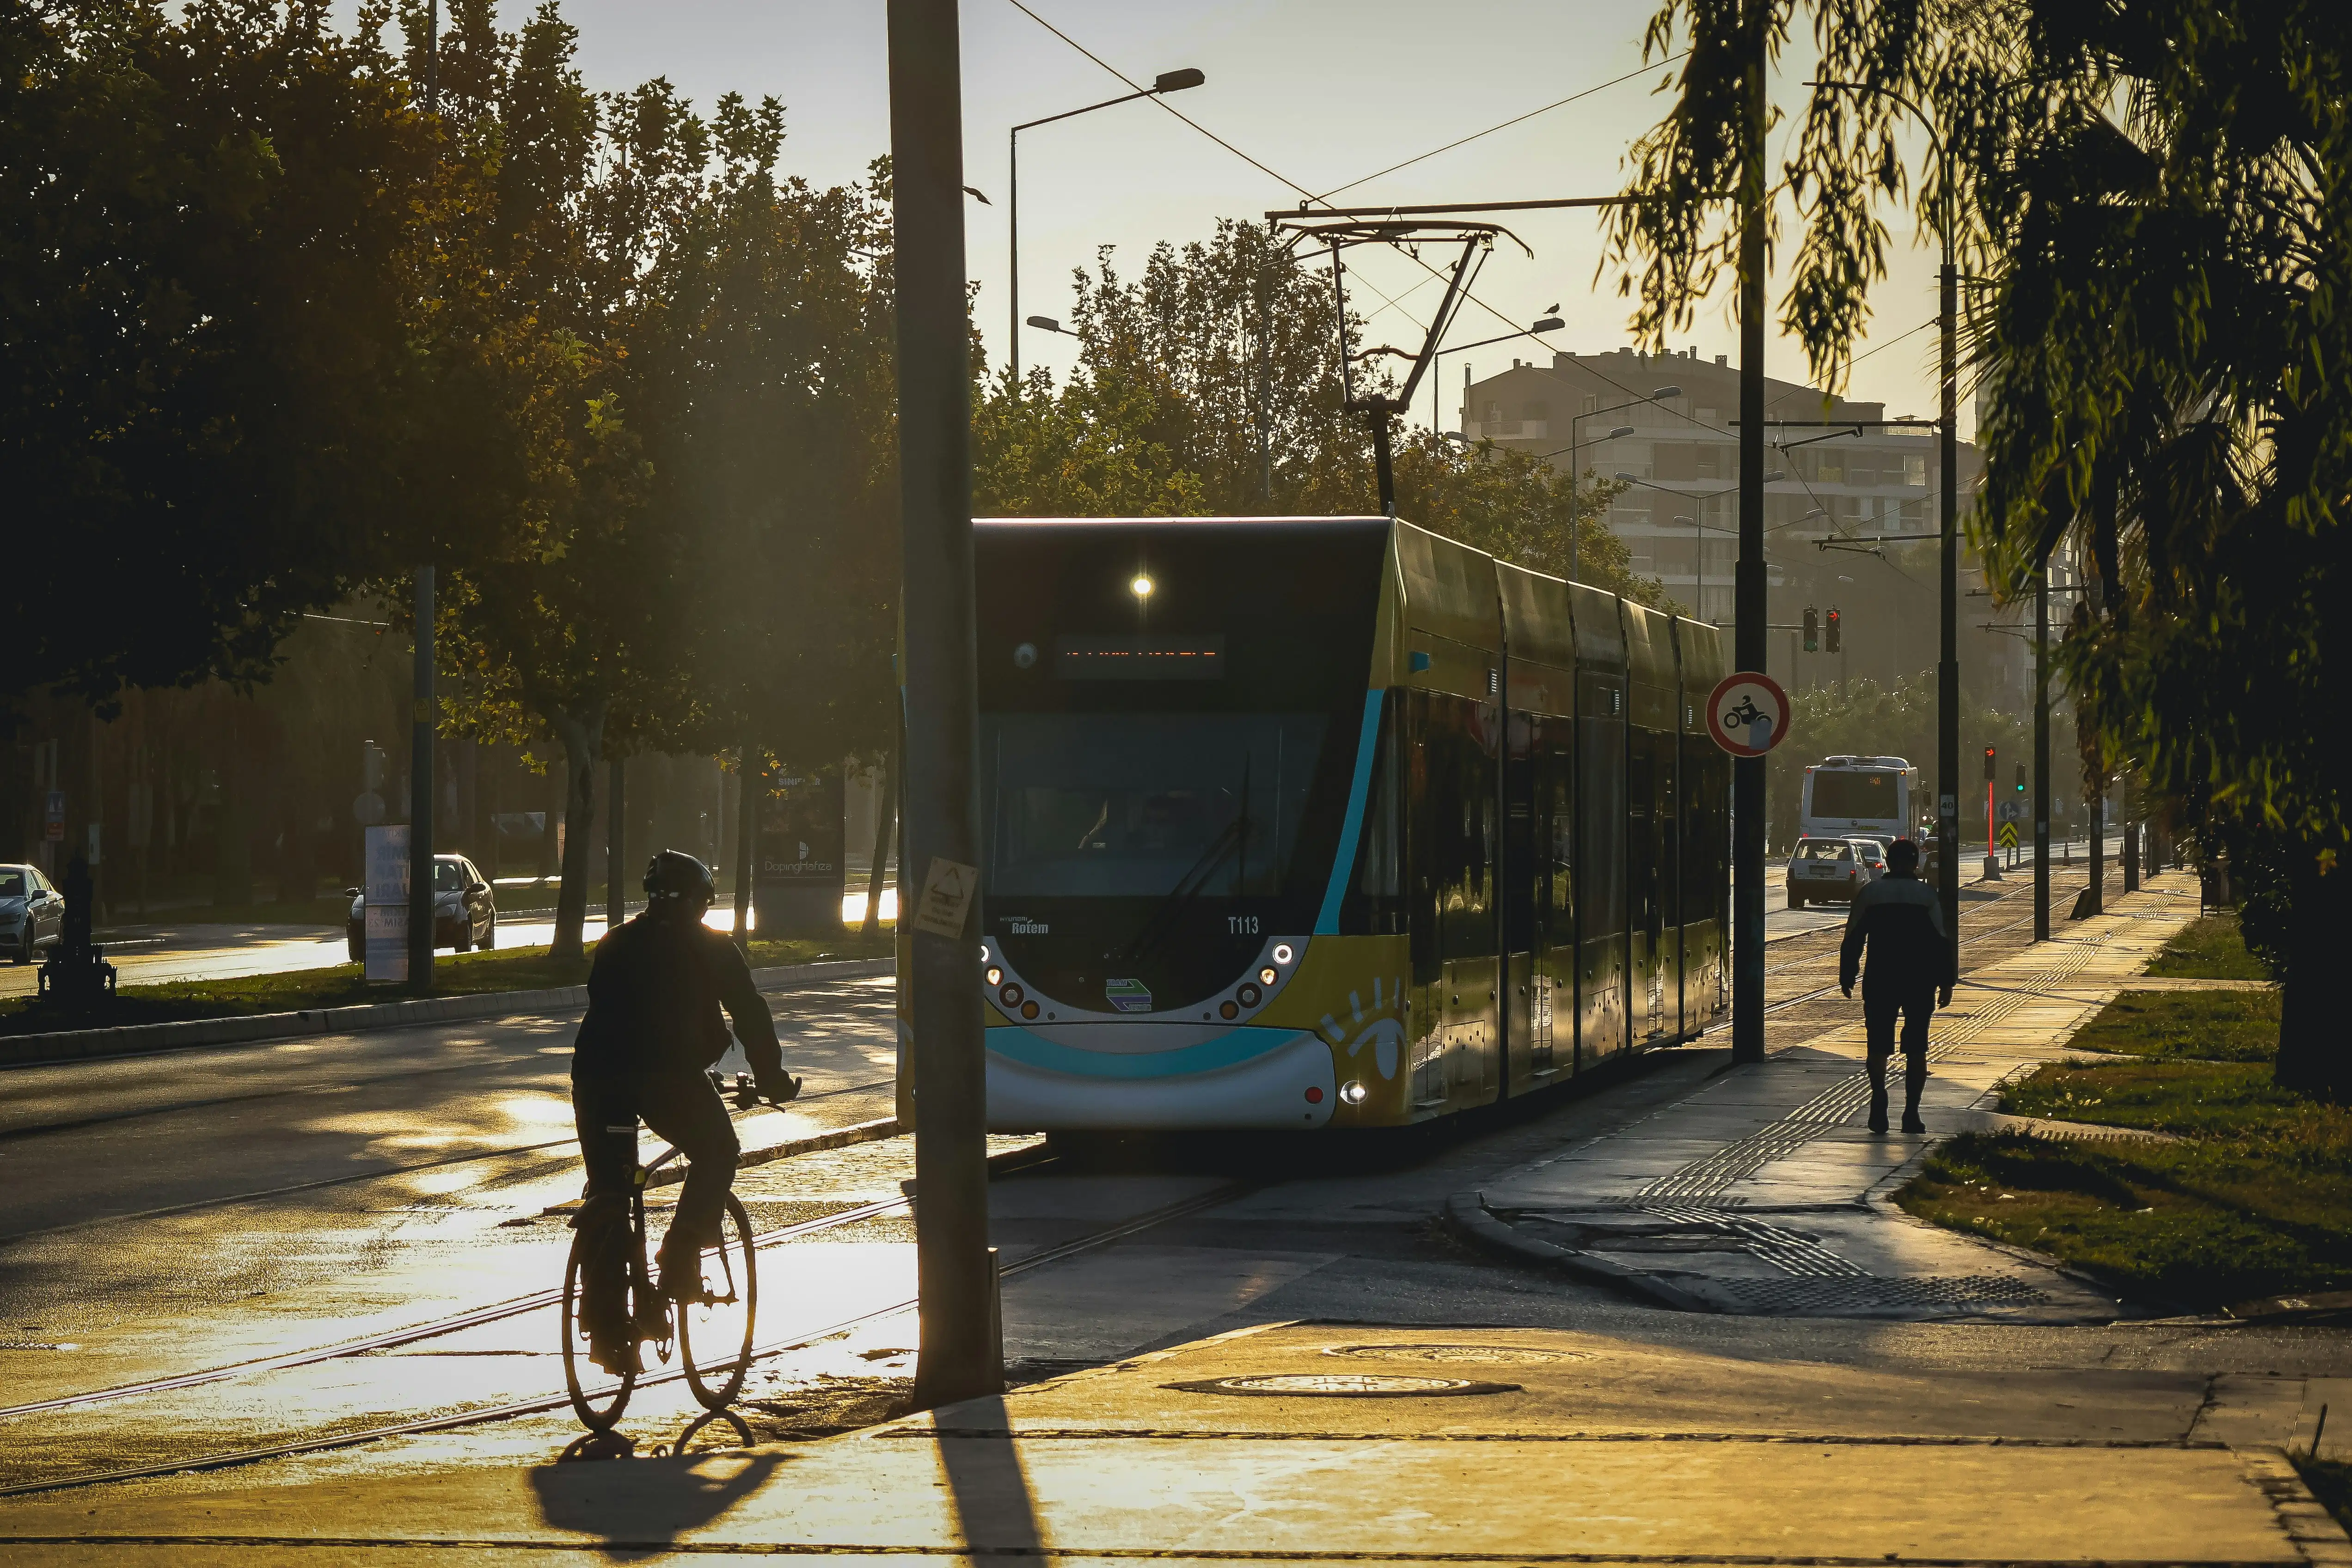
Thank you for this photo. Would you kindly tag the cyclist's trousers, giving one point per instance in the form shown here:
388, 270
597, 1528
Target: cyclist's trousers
681, 1108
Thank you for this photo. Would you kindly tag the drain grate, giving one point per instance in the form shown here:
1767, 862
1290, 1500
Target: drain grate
1947, 1293
1488, 1355
1346, 1386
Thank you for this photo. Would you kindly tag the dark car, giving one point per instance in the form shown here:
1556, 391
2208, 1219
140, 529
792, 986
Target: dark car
32, 913
465, 912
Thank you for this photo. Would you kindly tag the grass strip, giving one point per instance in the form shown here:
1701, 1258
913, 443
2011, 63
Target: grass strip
2210, 947
2181, 1025
2330, 1481
342, 985
2254, 1198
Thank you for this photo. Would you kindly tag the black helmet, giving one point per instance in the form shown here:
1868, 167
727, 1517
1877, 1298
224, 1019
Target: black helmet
673, 874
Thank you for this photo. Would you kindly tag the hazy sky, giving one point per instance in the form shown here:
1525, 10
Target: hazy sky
1322, 91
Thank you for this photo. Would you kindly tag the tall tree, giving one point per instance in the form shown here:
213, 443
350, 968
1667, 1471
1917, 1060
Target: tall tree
1211, 385
2149, 197
210, 258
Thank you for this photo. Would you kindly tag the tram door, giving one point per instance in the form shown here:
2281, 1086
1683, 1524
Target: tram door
1642, 856
1521, 887
1453, 843
1554, 985
1601, 867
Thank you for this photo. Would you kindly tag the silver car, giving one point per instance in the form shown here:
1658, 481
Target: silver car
1832, 869
32, 913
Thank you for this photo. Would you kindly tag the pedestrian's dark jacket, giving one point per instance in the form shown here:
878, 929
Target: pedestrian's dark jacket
654, 998
1901, 921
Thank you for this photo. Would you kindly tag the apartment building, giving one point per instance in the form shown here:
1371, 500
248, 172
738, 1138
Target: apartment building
1840, 502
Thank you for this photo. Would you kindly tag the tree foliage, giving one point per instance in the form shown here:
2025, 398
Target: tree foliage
2150, 199
208, 252
1211, 386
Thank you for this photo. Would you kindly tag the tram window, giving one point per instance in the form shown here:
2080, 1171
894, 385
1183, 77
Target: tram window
1375, 903
1702, 835
1453, 839
1601, 787
1132, 804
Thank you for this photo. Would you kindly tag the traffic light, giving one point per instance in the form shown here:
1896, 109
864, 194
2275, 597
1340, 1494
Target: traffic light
1814, 629
1832, 643
1988, 764
2021, 778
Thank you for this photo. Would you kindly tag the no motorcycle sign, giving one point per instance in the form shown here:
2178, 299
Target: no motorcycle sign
1748, 714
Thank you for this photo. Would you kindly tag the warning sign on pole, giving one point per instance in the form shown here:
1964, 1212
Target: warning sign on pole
1748, 714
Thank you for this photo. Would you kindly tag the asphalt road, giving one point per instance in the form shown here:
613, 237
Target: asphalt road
190, 1210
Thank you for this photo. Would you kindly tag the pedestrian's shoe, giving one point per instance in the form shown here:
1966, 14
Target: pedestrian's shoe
1878, 1110
681, 1275
1911, 1122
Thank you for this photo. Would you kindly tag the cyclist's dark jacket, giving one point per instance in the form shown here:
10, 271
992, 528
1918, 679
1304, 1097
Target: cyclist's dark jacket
1902, 920
653, 999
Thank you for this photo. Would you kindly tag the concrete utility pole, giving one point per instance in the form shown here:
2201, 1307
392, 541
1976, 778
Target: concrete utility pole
961, 1353
617, 848
1749, 608
1948, 664
2042, 753
420, 798
420, 745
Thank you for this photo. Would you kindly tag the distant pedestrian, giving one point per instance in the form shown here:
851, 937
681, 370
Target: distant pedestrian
1900, 921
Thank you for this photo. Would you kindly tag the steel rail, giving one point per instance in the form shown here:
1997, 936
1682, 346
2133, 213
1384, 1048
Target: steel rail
768, 1351
259, 1195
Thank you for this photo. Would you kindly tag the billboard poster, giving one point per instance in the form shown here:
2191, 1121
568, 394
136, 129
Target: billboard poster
386, 929
798, 875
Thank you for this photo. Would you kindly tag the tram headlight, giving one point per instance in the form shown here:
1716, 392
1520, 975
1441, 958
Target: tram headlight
995, 976
1353, 1091
1282, 954
1010, 997
1141, 585
1267, 976
1248, 995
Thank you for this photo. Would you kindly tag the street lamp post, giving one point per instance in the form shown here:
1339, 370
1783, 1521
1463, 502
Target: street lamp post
1700, 529
1948, 664
421, 771
1167, 81
1575, 532
1437, 361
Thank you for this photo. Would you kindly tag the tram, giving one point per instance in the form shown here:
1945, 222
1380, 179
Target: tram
1324, 823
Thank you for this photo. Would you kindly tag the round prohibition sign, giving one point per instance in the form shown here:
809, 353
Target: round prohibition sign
1748, 714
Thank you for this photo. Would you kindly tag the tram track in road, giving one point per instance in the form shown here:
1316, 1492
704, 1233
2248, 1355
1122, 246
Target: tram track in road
261, 1195
783, 1345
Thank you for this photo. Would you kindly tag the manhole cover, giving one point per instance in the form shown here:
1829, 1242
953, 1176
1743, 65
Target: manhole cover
1347, 1385
1489, 1355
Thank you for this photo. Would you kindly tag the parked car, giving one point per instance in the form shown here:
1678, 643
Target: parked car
32, 913
1831, 870
465, 911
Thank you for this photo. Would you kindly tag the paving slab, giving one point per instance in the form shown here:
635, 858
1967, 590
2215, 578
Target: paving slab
1359, 1443
1761, 1191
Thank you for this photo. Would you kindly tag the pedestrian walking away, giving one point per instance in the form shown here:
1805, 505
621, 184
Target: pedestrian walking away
1898, 922
653, 1029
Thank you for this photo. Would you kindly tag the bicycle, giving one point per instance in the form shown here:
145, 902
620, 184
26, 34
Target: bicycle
722, 1318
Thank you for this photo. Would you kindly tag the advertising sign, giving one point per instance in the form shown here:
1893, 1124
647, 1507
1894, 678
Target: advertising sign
798, 874
385, 930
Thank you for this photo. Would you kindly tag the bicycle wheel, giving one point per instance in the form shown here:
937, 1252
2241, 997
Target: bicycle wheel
596, 1396
714, 1337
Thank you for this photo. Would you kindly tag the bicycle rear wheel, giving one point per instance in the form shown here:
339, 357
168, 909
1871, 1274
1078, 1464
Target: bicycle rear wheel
714, 1337
597, 1398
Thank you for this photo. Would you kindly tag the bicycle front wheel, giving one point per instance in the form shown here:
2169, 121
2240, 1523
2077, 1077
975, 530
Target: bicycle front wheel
714, 1335
597, 1397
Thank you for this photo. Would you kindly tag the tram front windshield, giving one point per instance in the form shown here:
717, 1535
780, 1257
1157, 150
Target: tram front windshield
1130, 806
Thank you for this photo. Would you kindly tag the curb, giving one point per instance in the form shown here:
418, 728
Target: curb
128, 1039
1465, 1215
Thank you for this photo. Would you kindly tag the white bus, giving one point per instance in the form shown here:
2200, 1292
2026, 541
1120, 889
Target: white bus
1860, 797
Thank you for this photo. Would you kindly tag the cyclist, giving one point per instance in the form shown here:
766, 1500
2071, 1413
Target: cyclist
653, 1029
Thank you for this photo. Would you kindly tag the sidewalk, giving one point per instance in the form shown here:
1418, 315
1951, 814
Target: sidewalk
1762, 1191
1352, 1443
